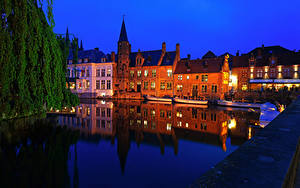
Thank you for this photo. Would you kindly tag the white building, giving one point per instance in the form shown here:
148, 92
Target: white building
94, 73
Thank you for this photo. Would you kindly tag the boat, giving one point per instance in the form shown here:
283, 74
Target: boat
189, 101
152, 98
238, 104
182, 105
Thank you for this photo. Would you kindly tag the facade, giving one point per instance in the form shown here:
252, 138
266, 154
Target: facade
263, 68
206, 78
92, 75
144, 72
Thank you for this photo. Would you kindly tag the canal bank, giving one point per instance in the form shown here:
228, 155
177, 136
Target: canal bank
269, 159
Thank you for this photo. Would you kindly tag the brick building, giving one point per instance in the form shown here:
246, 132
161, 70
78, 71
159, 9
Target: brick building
205, 78
266, 67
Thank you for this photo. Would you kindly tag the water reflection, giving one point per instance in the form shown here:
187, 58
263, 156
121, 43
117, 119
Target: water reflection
159, 124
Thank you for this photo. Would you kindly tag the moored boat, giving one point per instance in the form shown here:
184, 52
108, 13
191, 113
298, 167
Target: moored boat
238, 104
151, 98
189, 101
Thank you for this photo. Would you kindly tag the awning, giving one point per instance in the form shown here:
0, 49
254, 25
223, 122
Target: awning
274, 81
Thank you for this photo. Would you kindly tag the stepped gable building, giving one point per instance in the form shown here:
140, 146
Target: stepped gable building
91, 76
266, 67
143, 72
205, 78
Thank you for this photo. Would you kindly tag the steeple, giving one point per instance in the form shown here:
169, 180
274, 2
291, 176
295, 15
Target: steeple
123, 34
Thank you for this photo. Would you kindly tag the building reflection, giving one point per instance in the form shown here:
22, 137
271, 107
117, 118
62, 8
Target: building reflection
159, 124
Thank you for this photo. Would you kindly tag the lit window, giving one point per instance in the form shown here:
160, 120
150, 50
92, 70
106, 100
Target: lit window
187, 125
179, 87
169, 126
204, 88
162, 113
152, 85
259, 73
169, 85
187, 77
131, 85
179, 123
179, 77
162, 85
169, 72
244, 87
132, 73
204, 78
86, 60
139, 73
145, 122
87, 84
108, 84
179, 114
154, 73
102, 84
146, 73
108, 72
145, 85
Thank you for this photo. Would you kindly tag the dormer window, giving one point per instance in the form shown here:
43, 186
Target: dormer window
86, 60
79, 60
103, 60
251, 62
149, 58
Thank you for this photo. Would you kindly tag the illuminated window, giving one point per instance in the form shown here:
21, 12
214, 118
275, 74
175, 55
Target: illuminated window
139, 73
97, 84
204, 78
145, 85
169, 114
102, 84
70, 61
287, 72
108, 72
86, 60
83, 72
187, 77
79, 85
169, 126
179, 114
204, 88
179, 123
152, 85
186, 125
131, 85
244, 87
87, 84
146, 73
152, 113
179, 77
108, 84
169, 72
169, 85
179, 87
162, 85
145, 122
154, 73
259, 73
132, 73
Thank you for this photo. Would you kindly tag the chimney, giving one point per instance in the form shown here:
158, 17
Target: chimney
238, 53
97, 49
178, 50
113, 57
163, 47
262, 46
189, 56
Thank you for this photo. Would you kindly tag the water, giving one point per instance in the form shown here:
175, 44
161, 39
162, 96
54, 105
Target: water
121, 144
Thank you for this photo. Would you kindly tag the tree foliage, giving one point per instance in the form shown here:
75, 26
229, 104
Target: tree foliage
32, 60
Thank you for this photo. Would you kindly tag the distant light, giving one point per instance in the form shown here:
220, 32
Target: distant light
232, 124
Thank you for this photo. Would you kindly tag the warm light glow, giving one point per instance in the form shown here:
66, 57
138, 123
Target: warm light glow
169, 126
251, 76
295, 68
250, 133
232, 124
244, 87
187, 125
279, 68
251, 69
234, 80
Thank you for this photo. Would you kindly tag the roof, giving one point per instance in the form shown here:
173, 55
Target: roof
212, 65
123, 34
269, 50
93, 55
152, 58
209, 54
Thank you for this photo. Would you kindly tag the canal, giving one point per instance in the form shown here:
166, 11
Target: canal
121, 144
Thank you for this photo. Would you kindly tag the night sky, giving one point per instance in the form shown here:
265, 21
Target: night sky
198, 25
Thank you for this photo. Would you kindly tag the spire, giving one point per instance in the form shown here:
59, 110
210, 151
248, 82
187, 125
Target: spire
123, 34
67, 35
81, 46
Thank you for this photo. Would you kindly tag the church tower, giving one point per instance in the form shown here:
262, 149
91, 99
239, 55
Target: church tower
124, 49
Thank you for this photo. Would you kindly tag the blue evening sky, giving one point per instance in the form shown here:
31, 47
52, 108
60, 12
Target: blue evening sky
198, 25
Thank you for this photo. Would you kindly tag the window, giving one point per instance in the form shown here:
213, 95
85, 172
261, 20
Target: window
131, 73
97, 84
169, 114
272, 73
83, 72
98, 123
87, 84
98, 111
108, 72
98, 73
169, 85
86, 60
139, 73
214, 88
102, 123
103, 112
162, 113
179, 87
162, 85
108, 112
152, 113
108, 84
108, 124
87, 72
102, 84
145, 112
287, 72
197, 77
131, 85
204, 78
213, 117
244, 87
204, 88
154, 73
203, 115
187, 77
146, 73
259, 73
179, 77
102, 72
169, 72
152, 85
79, 85
70, 61
145, 85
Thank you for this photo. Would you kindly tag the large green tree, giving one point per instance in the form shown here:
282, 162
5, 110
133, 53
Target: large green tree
32, 60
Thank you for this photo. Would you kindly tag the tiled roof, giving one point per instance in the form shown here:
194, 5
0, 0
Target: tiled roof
211, 65
240, 61
152, 58
209, 54
94, 55
269, 50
